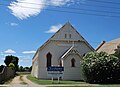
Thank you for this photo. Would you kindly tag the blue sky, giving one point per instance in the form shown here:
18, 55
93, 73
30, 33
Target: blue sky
26, 24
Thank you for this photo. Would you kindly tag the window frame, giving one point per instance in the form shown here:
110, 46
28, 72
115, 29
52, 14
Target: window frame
73, 62
48, 59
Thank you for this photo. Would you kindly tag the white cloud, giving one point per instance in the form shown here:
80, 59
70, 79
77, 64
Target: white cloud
59, 2
24, 59
28, 52
1, 53
23, 9
13, 24
54, 28
2, 59
5, 54
10, 51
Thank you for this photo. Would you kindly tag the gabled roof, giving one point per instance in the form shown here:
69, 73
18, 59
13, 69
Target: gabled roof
67, 28
68, 51
64, 28
109, 47
57, 36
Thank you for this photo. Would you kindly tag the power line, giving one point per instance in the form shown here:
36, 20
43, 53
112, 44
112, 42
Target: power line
104, 11
101, 6
110, 2
71, 8
83, 13
75, 8
80, 4
105, 2
95, 14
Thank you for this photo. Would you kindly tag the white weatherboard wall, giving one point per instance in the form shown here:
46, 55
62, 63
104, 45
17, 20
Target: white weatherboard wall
35, 69
59, 45
72, 72
56, 52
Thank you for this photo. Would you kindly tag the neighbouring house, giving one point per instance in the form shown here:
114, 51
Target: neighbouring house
65, 48
109, 47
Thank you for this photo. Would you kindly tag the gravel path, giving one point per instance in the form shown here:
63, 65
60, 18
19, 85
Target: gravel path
16, 80
22, 81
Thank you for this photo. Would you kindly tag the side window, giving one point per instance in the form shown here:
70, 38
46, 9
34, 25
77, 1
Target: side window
69, 35
73, 62
60, 63
65, 35
49, 57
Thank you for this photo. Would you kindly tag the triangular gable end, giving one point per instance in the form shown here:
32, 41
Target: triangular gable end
67, 32
71, 49
64, 33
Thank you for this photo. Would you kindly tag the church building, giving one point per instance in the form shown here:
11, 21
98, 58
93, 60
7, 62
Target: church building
65, 48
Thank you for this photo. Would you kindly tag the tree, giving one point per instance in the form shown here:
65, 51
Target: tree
8, 60
117, 51
30, 69
27, 69
21, 69
12, 59
101, 68
1, 68
12, 66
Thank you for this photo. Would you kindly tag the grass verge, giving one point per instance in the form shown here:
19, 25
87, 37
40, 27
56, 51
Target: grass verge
23, 73
89, 86
23, 83
47, 82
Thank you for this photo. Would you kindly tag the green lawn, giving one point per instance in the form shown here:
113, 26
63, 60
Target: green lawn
89, 86
22, 73
49, 82
46, 82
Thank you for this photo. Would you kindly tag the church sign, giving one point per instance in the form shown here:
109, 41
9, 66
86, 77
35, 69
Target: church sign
55, 71
55, 68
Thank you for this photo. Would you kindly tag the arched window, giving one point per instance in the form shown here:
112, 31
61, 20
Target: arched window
73, 62
65, 35
60, 63
69, 35
48, 56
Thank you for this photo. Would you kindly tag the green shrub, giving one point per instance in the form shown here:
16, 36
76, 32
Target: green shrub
101, 68
117, 54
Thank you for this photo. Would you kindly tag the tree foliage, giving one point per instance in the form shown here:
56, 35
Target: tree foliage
21, 69
1, 68
11, 59
117, 51
12, 66
25, 69
117, 54
101, 68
